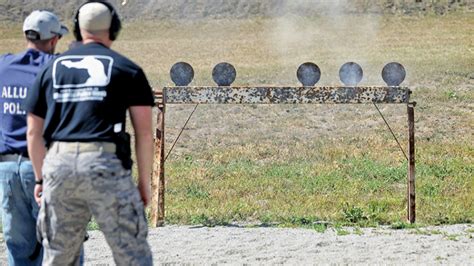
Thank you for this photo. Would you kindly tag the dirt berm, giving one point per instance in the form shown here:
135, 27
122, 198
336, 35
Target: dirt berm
17, 10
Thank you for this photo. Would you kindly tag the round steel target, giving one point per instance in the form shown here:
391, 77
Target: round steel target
182, 74
224, 74
308, 74
393, 74
351, 74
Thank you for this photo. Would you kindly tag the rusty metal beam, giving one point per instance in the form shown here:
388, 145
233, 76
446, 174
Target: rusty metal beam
157, 206
285, 95
411, 197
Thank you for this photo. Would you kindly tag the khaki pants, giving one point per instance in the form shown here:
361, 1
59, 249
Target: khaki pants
85, 179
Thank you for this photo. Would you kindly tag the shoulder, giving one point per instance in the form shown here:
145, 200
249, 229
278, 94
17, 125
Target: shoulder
6, 59
130, 69
124, 62
5, 56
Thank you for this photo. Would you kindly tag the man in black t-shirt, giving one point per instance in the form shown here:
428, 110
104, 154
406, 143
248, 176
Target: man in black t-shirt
77, 107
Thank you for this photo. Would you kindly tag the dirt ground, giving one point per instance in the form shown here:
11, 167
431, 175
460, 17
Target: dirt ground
201, 9
241, 245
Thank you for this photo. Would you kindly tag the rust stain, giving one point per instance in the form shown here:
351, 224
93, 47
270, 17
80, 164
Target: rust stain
285, 95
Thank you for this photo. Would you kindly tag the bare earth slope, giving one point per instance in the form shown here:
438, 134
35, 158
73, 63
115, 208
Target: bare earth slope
16, 10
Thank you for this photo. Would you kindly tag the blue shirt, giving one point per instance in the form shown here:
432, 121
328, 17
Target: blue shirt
17, 74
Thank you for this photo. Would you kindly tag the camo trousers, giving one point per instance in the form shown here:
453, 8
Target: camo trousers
81, 180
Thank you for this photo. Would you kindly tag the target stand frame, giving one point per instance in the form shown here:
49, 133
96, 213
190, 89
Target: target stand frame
275, 95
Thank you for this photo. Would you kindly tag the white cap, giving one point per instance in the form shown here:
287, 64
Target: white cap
94, 16
45, 24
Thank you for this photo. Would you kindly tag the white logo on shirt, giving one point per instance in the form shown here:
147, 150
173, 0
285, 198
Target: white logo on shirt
98, 68
81, 77
11, 98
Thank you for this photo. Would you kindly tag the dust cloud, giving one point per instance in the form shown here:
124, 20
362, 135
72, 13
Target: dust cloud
324, 32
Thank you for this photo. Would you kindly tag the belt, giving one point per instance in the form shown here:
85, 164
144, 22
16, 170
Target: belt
68, 147
13, 157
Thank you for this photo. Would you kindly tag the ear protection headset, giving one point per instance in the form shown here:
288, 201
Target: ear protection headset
115, 25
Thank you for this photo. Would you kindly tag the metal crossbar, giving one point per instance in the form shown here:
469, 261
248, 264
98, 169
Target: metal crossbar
285, 95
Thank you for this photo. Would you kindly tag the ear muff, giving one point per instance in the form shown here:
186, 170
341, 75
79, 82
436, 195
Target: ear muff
115, 25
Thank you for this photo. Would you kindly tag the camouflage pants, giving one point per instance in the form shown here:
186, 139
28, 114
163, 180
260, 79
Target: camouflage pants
85, 179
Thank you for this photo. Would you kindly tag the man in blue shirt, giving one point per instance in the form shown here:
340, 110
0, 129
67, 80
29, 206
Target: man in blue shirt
17, 181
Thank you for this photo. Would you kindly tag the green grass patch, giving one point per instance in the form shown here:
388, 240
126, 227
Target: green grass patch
452, 237
427, 232
399, 225
358, 231
340, 231
366, 190
320, 227
93, 225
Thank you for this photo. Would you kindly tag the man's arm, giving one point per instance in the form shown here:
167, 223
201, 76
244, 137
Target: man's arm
36, 149
141, 117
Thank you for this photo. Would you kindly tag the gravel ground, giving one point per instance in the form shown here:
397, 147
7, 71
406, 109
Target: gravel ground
242, 245
239, 245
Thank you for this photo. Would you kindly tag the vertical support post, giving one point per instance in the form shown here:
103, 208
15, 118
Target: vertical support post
158, 179
411, 204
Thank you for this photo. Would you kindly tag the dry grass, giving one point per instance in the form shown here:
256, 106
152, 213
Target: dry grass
294, 164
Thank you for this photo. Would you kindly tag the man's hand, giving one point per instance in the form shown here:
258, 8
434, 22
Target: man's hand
38, 192
145, 192
36, 149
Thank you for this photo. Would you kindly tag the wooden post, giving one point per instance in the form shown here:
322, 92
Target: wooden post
157, 207
411, 204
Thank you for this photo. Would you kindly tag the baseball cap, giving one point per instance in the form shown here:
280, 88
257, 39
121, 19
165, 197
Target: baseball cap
45, 24
94, 16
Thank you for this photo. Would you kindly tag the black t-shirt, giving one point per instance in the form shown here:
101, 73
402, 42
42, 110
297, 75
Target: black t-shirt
83, 95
